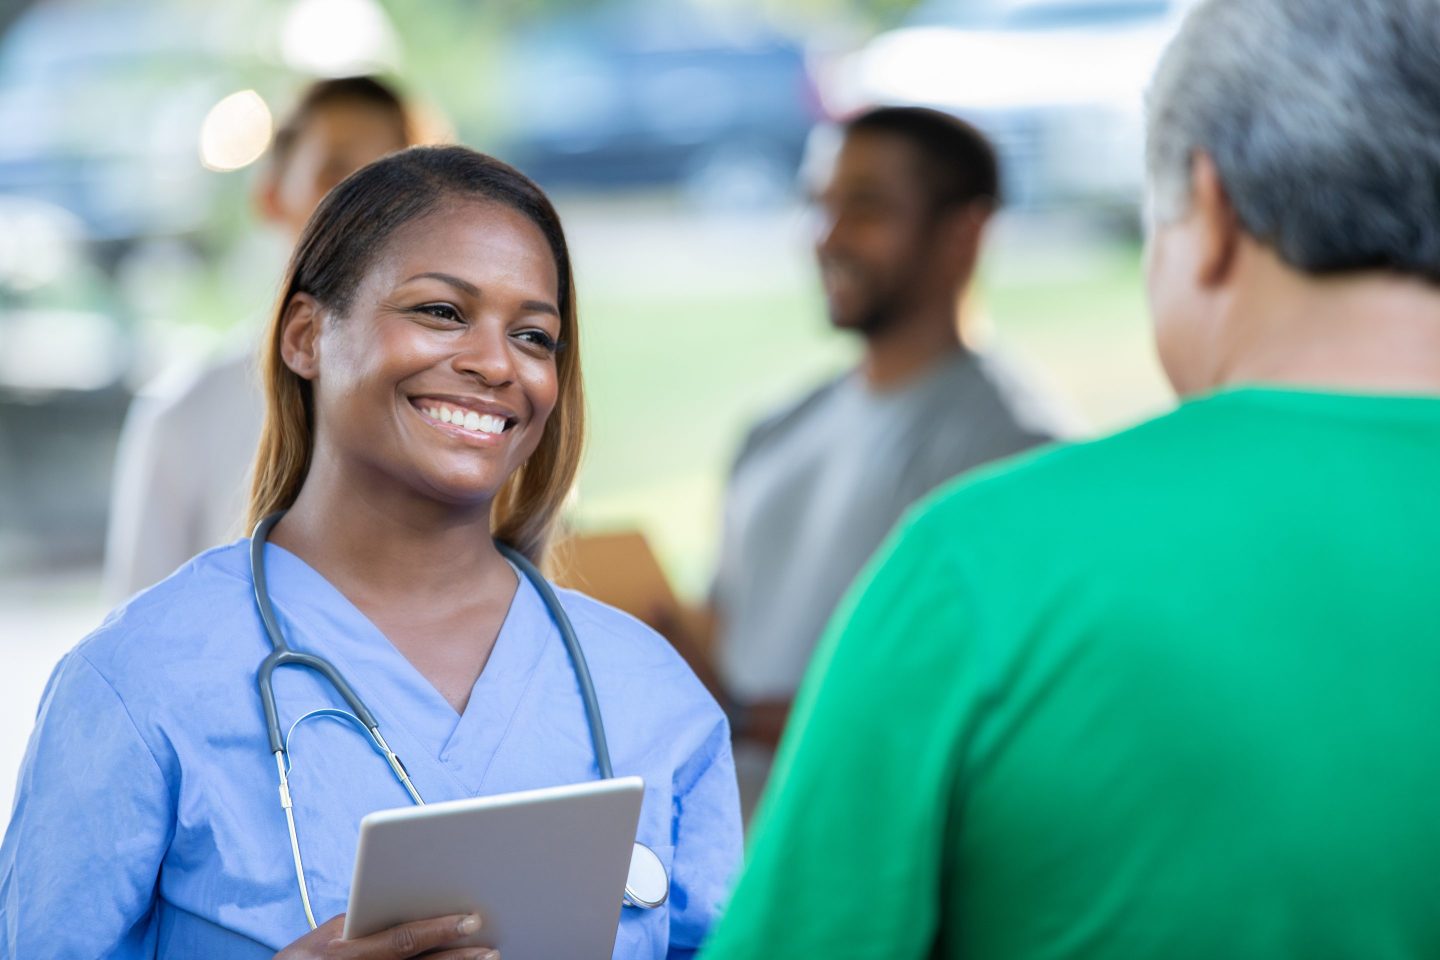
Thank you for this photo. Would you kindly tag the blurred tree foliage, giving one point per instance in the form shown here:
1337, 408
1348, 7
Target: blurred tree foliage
874, 13
451, 51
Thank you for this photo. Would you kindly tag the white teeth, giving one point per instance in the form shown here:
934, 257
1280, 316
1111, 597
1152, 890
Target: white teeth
468, 419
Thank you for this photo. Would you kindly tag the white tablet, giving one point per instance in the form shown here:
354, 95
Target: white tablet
545, 869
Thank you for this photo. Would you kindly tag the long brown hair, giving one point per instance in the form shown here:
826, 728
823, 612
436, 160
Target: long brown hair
343, 239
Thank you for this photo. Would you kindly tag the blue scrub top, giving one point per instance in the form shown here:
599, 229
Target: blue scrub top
147, 821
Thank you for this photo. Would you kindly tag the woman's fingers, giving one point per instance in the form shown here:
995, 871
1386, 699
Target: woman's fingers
412, 939
315, 943
397, 943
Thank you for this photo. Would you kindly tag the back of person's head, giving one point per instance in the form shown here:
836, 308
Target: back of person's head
336, 127
1322, 118
369, 92
348, 234
958, 164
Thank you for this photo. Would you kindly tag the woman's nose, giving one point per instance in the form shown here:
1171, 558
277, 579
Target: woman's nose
485, 354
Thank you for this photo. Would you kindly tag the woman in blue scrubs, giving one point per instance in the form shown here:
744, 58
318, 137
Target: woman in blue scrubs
423, 397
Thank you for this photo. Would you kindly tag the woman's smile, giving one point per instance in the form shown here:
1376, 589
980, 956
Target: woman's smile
471, 421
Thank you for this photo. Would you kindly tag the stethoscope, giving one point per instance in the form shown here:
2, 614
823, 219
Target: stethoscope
647, 884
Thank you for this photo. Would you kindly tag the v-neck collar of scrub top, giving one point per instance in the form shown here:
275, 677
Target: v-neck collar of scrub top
322, 620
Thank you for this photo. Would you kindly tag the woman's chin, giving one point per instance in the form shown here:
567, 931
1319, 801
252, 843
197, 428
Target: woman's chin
461, 491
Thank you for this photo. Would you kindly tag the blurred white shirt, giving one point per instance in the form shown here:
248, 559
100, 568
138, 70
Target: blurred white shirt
182, 471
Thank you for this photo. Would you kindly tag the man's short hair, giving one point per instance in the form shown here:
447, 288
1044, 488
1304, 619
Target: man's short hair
364, 91
959, 164
1323, 120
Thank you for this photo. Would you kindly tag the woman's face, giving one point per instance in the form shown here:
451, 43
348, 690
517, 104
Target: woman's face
443, 375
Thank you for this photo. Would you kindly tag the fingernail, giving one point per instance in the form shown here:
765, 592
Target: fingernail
469, 925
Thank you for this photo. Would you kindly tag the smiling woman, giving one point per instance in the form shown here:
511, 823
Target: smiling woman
424, 407
434, 206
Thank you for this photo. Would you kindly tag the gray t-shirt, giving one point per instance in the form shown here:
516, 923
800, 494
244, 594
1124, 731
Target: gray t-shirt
816, 488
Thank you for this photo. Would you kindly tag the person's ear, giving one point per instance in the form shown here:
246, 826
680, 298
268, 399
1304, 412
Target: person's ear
1218, 229
964, 231
267, 197
300, 328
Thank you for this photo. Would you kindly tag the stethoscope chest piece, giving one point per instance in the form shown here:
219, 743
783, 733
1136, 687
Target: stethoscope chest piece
648, 884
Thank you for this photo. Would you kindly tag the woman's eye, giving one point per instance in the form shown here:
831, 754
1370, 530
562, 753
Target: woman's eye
440, 311
540, 339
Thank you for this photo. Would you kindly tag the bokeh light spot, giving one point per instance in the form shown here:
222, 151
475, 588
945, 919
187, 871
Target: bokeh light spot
235, 132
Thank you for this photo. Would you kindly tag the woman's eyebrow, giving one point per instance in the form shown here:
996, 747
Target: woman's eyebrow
468, 288
540, 306
463, 286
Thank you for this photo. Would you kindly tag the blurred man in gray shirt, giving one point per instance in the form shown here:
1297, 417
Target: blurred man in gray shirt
817, 486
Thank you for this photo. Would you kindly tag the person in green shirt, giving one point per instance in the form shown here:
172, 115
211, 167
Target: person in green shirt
1176, 692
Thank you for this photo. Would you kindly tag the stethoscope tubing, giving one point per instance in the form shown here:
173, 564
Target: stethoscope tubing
572, 646
282, 656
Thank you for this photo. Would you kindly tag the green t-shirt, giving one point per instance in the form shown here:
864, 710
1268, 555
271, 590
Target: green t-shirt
1174, 693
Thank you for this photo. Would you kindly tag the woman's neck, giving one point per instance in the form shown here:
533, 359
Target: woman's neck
374, 547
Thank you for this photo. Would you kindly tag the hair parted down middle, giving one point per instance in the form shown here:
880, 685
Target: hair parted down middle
345, 236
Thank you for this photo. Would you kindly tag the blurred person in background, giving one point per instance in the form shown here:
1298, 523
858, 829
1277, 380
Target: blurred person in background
902, 209
424, 408
1173, 693
183, 465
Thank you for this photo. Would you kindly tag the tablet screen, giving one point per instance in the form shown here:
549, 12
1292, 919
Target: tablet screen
545, 869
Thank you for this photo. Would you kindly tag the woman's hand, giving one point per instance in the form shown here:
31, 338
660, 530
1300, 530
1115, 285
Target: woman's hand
398, 943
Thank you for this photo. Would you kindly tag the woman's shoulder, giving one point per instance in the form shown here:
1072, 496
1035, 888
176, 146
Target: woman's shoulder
193, 613
615, 641
612, 631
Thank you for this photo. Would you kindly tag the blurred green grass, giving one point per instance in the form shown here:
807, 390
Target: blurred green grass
674, 377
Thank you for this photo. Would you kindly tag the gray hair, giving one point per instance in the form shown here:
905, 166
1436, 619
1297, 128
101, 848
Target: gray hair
1323, 120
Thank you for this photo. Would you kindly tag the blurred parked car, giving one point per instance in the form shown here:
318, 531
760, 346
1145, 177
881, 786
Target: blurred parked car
1058, 85
661, 94
101, 105
63, 355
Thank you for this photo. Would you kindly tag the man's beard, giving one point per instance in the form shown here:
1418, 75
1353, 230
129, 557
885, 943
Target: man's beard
878, 315
882, 303
879, 318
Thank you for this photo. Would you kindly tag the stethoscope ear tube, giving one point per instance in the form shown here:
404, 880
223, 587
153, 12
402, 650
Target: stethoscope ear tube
647, 883
281, 655
572, 646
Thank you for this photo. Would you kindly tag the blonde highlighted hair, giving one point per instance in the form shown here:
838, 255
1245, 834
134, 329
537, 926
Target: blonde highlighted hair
344, 237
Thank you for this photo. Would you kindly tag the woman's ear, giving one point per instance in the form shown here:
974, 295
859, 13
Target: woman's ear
300, 327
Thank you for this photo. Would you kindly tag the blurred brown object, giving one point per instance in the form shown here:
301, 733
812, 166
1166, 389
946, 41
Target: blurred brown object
620, 569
